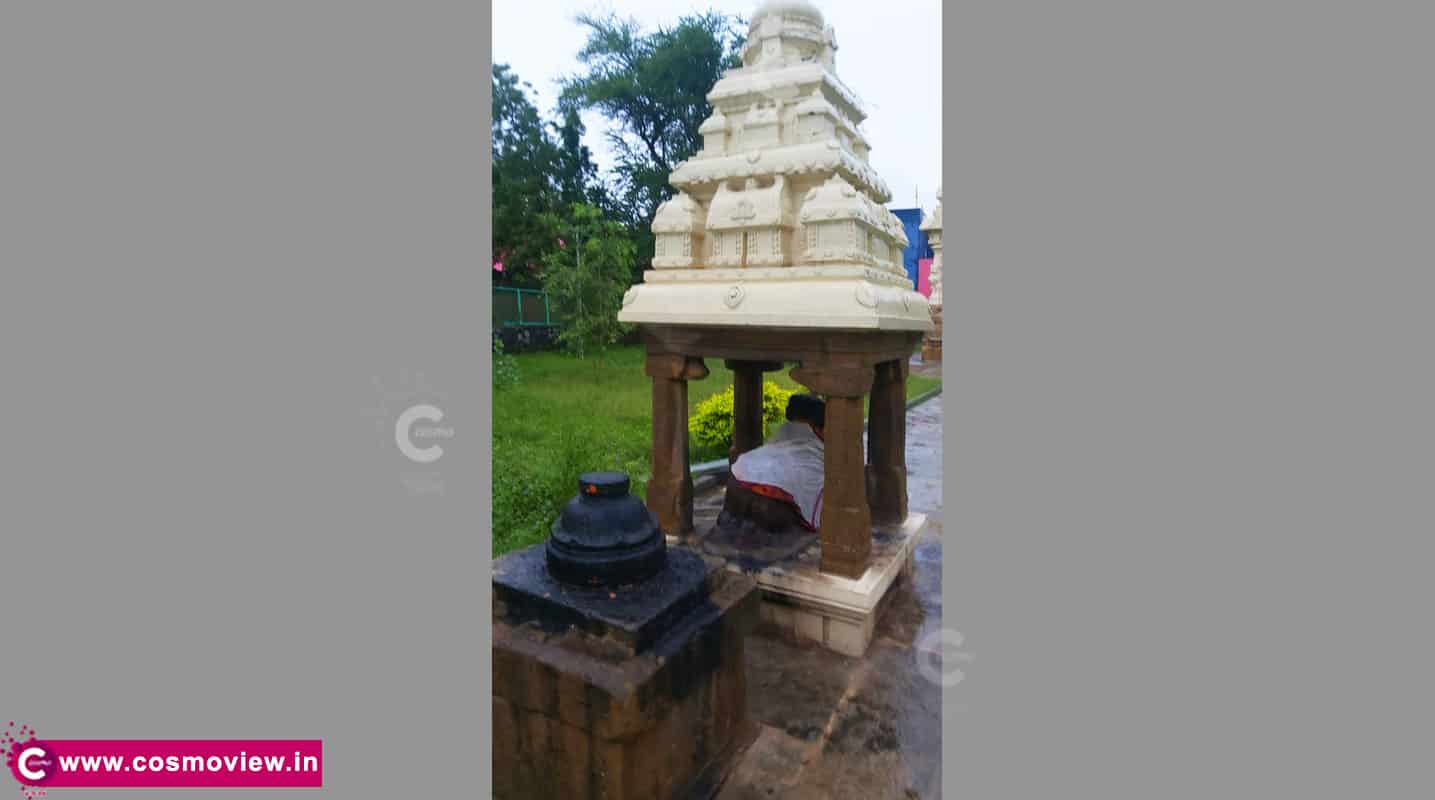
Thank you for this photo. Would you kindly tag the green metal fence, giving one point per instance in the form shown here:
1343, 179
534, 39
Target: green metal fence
513, 307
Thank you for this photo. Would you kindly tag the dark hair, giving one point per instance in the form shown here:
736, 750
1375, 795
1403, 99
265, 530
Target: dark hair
807, 408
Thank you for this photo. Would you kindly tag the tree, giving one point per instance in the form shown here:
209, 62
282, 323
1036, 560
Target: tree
522, 163
575, 172
540, 169
653, 86
586, 278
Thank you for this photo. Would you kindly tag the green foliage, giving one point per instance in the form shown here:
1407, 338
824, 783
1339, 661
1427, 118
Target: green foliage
567, 417
711, 424
586, 277
653, 87
774, 404
532, 481
505, 367
539, 170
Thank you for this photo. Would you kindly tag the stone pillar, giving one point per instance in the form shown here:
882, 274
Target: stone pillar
747, 404
887, 443
846, 524
670, 490
932, 225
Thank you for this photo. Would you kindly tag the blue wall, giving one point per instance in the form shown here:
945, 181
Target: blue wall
917, 248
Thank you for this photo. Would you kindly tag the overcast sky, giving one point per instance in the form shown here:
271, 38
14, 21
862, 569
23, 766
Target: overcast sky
889, 53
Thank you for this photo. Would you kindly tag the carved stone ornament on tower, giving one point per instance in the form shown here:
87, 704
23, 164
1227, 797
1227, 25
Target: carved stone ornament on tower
932, 226
781, 201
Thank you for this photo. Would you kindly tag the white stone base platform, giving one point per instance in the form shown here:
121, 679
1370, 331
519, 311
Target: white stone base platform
838, 613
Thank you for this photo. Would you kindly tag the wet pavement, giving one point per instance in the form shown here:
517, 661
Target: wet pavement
924, 457
869, 728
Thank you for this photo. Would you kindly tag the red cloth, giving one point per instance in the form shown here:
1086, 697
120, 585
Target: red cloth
773, 493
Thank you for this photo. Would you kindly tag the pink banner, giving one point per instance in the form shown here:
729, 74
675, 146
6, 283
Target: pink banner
924, 277
161, 763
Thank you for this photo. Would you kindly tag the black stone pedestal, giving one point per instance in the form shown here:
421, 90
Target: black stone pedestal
634, 691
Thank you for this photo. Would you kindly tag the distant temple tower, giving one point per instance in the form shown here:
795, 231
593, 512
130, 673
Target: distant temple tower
932, 226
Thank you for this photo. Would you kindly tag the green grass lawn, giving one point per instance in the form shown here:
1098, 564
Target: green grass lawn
567, 416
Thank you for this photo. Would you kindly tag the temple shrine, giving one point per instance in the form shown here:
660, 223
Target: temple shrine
778, 252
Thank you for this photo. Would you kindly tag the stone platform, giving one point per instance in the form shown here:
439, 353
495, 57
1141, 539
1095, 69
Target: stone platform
838, 727
870, 727
635, 692
837, 613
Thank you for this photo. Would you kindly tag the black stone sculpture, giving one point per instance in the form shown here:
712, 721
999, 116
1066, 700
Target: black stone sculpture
605, 536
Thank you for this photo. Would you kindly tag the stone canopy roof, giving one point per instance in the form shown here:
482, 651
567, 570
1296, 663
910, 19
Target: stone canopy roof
783, 155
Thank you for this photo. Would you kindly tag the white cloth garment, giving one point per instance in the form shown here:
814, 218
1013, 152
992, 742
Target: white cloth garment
792, 460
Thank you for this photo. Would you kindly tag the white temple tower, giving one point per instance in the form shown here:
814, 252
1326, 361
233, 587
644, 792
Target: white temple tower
780, 221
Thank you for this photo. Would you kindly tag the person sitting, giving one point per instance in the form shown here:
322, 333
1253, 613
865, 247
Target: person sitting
778, 486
